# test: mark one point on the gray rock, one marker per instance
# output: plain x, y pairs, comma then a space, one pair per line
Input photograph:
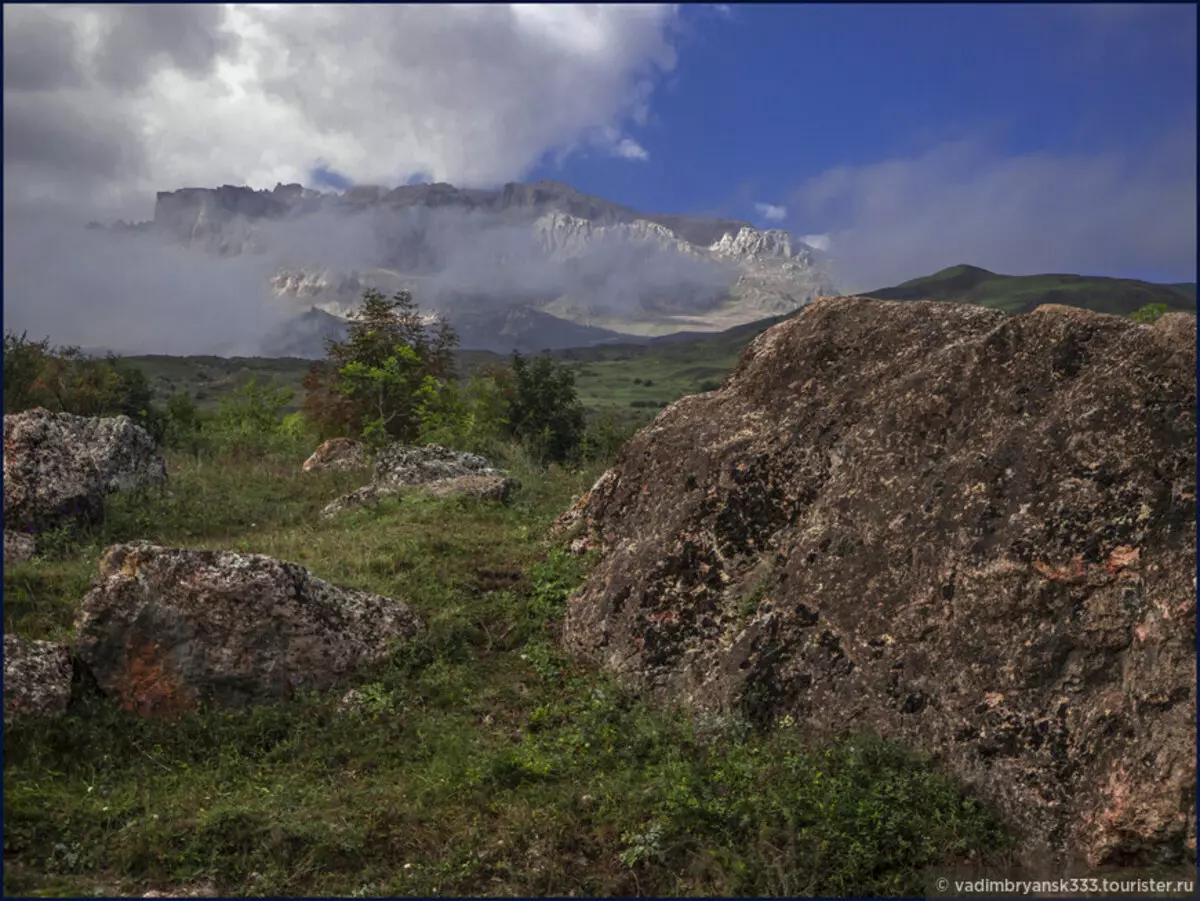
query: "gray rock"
59, 467
438, 470
37, 679
405, 464
18, 546
484, 488
969, 532
165, 629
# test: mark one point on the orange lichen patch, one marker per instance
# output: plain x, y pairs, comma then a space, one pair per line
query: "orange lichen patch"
664, 616
149, 686
1122, 557
1069, 573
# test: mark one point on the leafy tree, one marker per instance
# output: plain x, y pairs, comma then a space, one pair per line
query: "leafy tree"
1151, 312
386, 376
545, 412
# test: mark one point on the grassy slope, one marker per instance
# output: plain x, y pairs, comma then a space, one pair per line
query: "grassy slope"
485, 761
1021, 293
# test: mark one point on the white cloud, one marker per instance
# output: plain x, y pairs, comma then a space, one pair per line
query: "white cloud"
770, 211
162, 97
820, 242
629, 149
962, 202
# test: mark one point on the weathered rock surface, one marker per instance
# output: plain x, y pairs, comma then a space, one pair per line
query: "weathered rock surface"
37, 679
484, 488
969, 532
59, 467
18, 546
338, 454
165, 629
438, 470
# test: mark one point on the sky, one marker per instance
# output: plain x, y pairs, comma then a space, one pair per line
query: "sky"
903, 138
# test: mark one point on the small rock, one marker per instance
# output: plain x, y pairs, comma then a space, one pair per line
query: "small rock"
404, 464
443, 472
166, 628
18, 546
338, 454
37, 679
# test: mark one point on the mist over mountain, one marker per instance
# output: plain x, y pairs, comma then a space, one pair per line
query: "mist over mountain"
527, 266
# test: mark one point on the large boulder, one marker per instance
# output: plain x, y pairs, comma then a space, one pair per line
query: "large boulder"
37, 679
165, 628
969, 532
338, 454
434, 469
59, 467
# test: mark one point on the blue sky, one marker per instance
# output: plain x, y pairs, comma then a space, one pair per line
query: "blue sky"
766, 100
1022, 138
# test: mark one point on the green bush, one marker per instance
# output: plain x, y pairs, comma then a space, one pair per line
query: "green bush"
1151, 312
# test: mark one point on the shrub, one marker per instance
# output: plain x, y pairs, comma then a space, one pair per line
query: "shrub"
1151, 312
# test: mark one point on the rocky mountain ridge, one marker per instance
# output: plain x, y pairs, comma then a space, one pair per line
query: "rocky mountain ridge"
544, 248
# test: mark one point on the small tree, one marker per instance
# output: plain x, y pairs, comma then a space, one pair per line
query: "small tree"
545, 412
388, 369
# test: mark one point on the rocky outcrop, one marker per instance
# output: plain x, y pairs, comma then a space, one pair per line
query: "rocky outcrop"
60, 467
166, 629
338, 454
37, 679
435, 469
969, 532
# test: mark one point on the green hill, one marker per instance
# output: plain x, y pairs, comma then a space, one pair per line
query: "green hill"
1022, 293
1187, 289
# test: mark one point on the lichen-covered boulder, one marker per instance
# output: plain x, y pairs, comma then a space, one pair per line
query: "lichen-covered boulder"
338, 454
965, 531
431, 468
59, 467
37, 679
165, 629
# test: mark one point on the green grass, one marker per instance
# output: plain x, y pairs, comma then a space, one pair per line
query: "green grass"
481, 761
1022, 293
